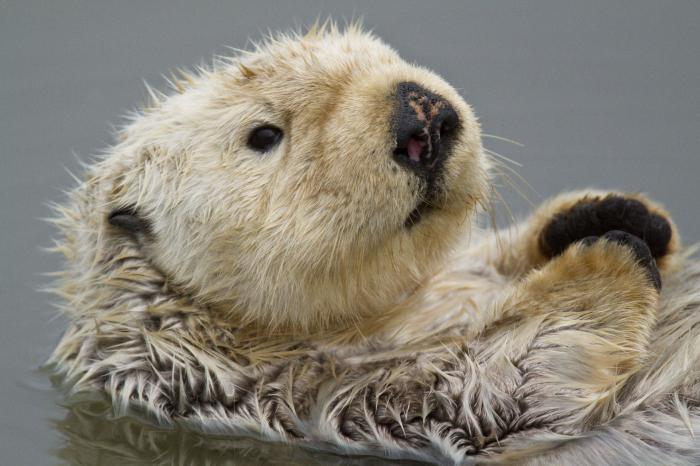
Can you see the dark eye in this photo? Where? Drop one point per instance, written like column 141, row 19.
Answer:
column 264, row 138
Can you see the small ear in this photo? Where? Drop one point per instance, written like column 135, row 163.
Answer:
column 127, row 219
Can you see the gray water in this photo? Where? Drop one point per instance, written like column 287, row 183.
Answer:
column 600, row 93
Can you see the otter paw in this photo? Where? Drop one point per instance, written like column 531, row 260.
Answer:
column 597, row 217
column 641, row 250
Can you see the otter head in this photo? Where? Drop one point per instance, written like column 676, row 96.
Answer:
column 315, row 180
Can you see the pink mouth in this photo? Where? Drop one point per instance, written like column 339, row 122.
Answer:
column 414, row 149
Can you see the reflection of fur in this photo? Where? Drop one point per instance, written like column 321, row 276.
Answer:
column 93, row 438
column 502, row 353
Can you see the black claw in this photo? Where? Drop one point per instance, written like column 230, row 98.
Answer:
column 589, row 240
column 641, row 251
column 657, row 234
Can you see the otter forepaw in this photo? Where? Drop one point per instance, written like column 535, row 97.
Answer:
column 598, row 216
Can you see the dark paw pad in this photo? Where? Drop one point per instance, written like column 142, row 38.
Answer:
column 640, row 249
column 597, row 217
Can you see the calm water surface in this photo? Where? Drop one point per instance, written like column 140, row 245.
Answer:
column 92, row 437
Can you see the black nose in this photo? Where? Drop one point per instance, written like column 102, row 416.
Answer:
column 424, row 125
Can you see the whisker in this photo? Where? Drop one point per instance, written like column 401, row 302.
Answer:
column 489, row 205
column 520, row 178
column 502, row 157
column 514, row 186
column 511, row 216
column 493, row 220
column 501, row 138
column 503, row 168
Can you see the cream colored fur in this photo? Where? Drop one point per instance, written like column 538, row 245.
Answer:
column 280, row 294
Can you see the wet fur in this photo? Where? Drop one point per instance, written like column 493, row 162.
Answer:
column 488, row 348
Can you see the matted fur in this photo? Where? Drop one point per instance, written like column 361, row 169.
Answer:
column 303, row 327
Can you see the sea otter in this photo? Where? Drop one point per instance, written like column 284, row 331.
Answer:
column 283, row 246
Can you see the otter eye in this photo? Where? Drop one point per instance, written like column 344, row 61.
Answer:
column 264, row 138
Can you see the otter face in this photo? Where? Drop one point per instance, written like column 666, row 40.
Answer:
column 316, row 180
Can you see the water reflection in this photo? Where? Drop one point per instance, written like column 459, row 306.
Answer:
column 92, row 437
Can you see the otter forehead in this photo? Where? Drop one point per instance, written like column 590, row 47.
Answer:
column 307, row 76
column 318, row 56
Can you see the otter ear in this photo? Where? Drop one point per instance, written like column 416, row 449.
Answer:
column 128, row 219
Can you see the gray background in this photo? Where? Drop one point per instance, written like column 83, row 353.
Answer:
column 600, row 93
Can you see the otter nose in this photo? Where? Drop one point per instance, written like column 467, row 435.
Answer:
column 424, row 125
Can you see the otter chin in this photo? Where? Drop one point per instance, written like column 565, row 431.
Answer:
column 312, row 182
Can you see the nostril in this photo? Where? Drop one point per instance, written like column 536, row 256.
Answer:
column 446, row 129
column 448, row 124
